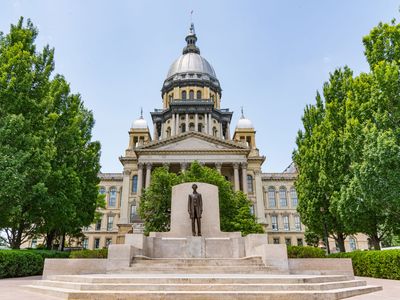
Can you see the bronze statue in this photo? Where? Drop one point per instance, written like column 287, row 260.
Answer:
column 195, row 209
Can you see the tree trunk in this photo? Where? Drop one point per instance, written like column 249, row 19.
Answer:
column 17, row 237
column 340, row 240
column 62, row 243
column 50, row 238
column 375, row 241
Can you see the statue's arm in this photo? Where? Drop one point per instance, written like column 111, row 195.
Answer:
column 189, row 204
column 201, row 203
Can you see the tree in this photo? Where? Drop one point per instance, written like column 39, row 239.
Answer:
column 321, row 159
column 155, row 205
column 48, row 163
column 72, row 196
column 25, row 147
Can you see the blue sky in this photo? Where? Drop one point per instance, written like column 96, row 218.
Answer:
column 270, row 57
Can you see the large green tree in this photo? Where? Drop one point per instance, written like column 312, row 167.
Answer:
column 155, row 204
column 321, row 159
column 25, row 147
column 48, row 163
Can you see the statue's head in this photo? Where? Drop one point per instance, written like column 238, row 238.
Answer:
column 194, row 187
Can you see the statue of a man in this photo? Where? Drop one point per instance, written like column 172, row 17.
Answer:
column 195, row 209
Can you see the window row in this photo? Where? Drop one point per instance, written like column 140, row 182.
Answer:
column 285, row 223
column 288, row 241
column 112, row 197
column 96, row 243
column 191, row 95
column 283, row 197
column 110, row 224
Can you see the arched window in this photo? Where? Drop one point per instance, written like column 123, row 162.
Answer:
column 183, row 128
column 134, row 184
column 112, row 201
column 198, row 96
column 191, row 94
column 249, row 183
column 271, row 197
column 191, row 127
column 293, row 196
column 199, row 128
column 184, row 95
column 214, row 131
column 282, row 197
column 286, row 225
column 352, row 243
column 102, row 190
column 168, row 131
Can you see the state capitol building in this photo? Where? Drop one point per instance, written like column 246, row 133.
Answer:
column 192, row 126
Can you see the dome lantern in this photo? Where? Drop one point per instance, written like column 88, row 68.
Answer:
column 140, row 123
column 244, row 123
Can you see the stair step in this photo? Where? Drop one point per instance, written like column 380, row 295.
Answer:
column 199, row 278
column 247, row 261
column 201, row 287
column 197, row 295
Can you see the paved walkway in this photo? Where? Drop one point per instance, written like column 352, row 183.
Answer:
column 10, row 289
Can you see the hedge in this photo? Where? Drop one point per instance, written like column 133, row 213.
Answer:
column 98, row 253
column 305, row 252
column 19, row 263
column 378, row 264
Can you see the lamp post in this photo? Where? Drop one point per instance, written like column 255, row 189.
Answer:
column 322, row 210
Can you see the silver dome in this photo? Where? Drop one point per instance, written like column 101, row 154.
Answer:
column 191, row 63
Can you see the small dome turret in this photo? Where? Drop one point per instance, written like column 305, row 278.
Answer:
column 244, row 123
column 140, row 123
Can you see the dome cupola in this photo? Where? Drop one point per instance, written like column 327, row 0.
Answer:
column 191, row 69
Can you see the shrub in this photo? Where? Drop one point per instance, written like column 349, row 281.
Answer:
column 305, row 252
column 99, row 253
column 18, row 263
column 378, row 264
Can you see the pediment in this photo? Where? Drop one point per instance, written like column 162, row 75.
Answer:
column 193, row 142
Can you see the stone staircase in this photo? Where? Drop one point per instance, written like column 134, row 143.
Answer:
column 245, row 278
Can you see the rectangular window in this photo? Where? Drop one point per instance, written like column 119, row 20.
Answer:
column 288, row 242
column 112, row 201
column 34, row 243
column 96, row 243
column 299, row 242
column 98, row 225
column 297, row 223
column 271, row 197
column 252, row 210
column 286, row 223
column 110, row 221
column 249, row 183
column 133, row 213
column 85, row 243
column 274, row 222
column 282, row 197
column 108, row 242
column 293, row 195
column 276, row 240
column 134, row 184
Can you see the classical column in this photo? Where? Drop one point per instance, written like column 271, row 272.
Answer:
column 236, row 176
column 206, row 123
column 210, row 124
column 183, row 167
column 187, row 122
column 173, row 123
column 177, row 125
column 148, row 174
column 196, row 122
column 244, row 178
column 162, row 131
column 140, row 179
column 228, row 131
column 125, row 197
column 218, row 166
column 260, row 213
column 155, row 133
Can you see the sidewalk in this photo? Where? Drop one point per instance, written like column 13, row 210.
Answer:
column 10, row 289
